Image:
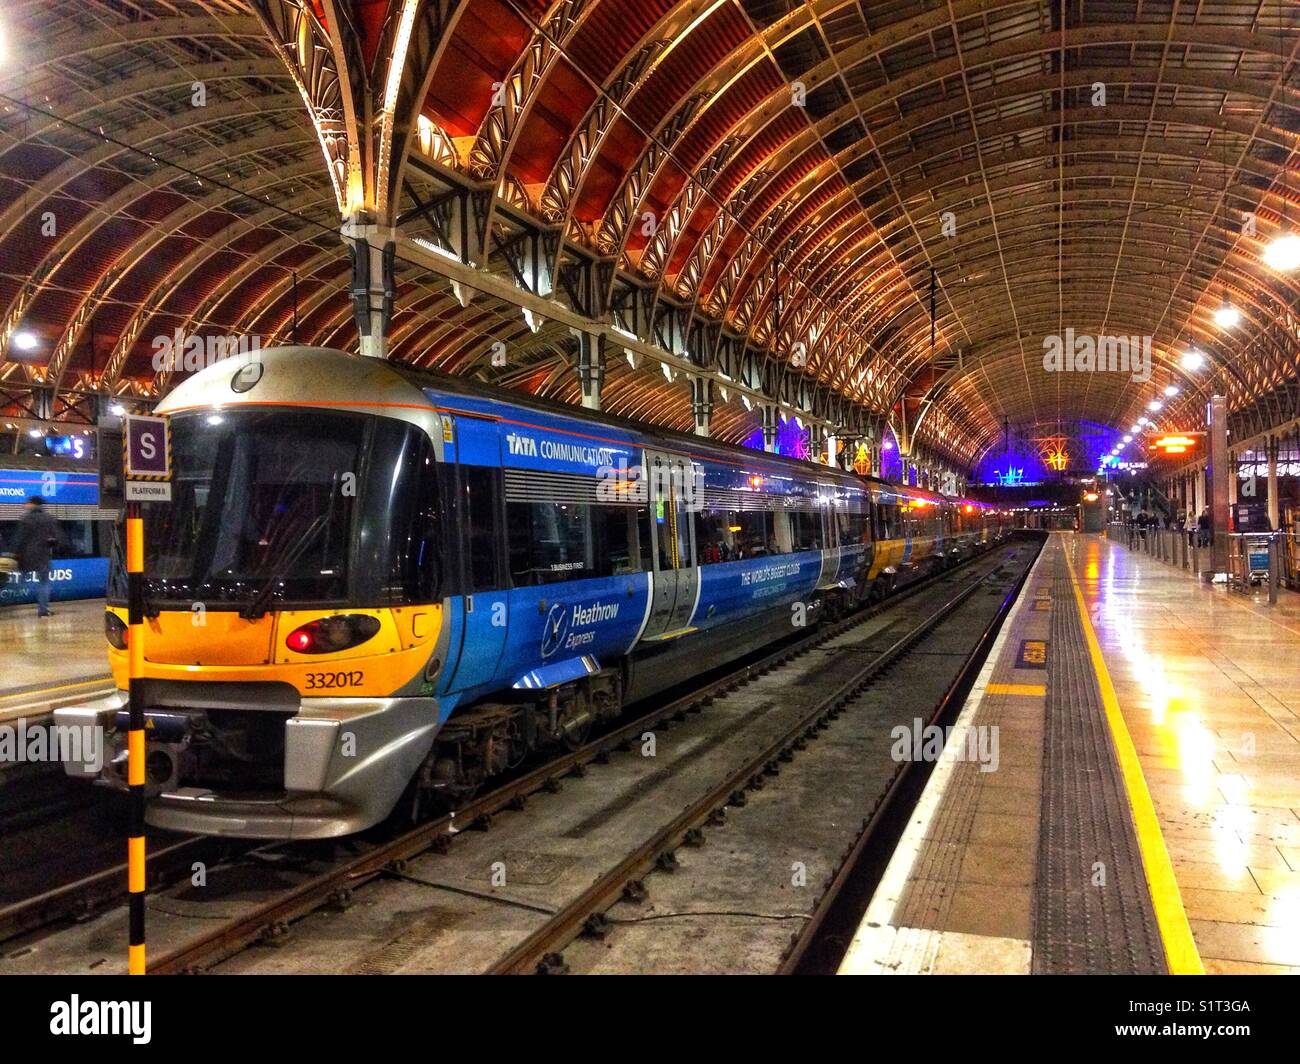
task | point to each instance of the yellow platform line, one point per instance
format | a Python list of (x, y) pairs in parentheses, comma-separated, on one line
[(36, 692), (1016, 689), (1175, 932)]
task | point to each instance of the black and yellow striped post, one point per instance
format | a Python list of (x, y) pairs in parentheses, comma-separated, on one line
[(147, 463), (135, 736)]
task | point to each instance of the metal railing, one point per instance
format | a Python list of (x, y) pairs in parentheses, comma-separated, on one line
[(1254, 559)]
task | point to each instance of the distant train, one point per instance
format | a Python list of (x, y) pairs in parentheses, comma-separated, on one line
[(374, 584)]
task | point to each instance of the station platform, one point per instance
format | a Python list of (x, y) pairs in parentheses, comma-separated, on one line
[(49, 662), (1144, 811)]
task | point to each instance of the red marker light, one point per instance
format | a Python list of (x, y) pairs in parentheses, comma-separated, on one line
[(328, 635)]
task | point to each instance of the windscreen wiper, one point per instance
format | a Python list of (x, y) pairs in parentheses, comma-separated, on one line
[(257, 607)]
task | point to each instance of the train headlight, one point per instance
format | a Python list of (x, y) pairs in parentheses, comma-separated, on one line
[(115, 631), (328, 635)]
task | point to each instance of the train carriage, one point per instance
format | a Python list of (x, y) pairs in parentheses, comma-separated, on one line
[(377, 584)]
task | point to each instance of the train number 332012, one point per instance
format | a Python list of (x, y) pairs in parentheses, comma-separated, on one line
[(317, 680)]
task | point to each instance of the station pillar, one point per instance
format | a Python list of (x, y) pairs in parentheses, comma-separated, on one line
[(816, 439), (832, 455), (374, 250), (1274, 511), (590, 367), (771, 415), (1220, 475), (701, 404)]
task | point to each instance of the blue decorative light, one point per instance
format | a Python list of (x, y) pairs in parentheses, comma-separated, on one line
[(791, 440), (891, 463)]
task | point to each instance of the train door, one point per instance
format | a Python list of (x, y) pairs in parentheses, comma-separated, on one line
[(671, 489), (483, 603), (829, 518)]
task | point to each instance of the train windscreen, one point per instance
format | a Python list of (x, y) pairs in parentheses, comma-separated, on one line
[(295, 507), (260, 500)]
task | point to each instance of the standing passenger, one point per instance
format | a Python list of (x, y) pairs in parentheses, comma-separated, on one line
[(37, 536)]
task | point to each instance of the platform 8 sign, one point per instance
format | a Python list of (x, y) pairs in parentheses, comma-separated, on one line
[(148, 459)]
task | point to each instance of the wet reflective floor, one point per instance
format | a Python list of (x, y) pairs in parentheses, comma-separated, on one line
[(50, 659), (1208, 682)]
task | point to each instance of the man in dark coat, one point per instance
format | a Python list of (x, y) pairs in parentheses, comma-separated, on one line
[(38, 534)]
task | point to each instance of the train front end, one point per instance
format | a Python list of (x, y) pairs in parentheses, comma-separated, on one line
[(293, 630)]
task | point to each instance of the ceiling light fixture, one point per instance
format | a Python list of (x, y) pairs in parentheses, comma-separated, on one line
[(1226, 316), (1283, 252)]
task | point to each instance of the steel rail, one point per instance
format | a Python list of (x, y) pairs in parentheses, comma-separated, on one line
[(270, 920), (820, 944), (539, 952), (81, 898)]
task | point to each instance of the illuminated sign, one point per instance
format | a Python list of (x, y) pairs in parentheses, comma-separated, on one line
[(69, 446), (862, 460), (18, 485), (1173, 444), (1057, 458), (1011, 478)]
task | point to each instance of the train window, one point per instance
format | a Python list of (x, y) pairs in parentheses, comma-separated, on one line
[(848, 527), (405, 512), (549, 542), (643, 535), (715, 538), (259, 511), (892, 520), (482, 526), (805, 530), (859, 529), (757, 535), (619, 528), (730, 535)]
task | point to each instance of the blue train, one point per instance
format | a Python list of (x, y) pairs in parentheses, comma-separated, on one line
[(374, 584)]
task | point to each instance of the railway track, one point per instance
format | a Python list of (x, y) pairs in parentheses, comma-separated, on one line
[(541, 952), (333, 885)]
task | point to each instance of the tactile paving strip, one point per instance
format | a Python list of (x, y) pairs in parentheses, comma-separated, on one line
[(1092, 908)]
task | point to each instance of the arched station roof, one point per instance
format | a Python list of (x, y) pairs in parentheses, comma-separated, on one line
[(880, 208)]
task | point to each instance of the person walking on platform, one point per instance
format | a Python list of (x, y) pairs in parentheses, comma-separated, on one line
[(34, 543), (1203, 527)]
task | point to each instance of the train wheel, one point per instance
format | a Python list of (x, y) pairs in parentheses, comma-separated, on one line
[(578, 719)]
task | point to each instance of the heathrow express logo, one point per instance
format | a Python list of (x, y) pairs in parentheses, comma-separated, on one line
[(559, 631), (555, 629)]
